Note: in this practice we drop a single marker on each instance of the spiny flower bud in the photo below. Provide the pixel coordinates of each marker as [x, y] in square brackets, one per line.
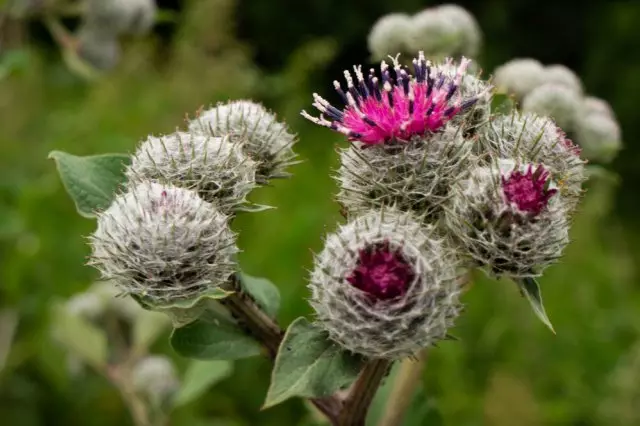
[415, 175]
[510, 219]
[263, 138]
[556, 101]
[102, 299]
[121, 16]
[529, 138]
[98, 48]
[447, 30]
[215, 167]
[599, 136]
[155, 378]
[163, 244]
[396, 109]
[389, 35]
[519, 76]
[384, 286]
[559, 74]
[593, 105]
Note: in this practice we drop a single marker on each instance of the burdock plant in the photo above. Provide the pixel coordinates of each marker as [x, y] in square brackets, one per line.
[440, 177]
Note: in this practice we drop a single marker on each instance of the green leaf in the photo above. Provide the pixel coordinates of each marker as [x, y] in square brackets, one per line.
[80, 337]
[91, 181]
[531, 290]
[263, 291]
[501, 104]
[147, 328]
[309, 365]
[199, 377]
[214, 337]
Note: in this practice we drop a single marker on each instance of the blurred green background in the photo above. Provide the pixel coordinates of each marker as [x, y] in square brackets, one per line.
[507, 369]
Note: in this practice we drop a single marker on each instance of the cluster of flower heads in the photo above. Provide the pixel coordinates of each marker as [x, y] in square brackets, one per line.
[167, 236]
[105, 21]
[557, 92]
[440, 31]
[432, 183]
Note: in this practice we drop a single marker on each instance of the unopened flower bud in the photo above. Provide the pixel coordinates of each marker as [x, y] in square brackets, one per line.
[447, 30]
[121, 16]
[563, 76]
[385, 286]
[529, 138]
[599, 136]
[593, 105]
[509, 220]
[98, 48]
[215, 167]
[155, 378]
[556, 101]
[389, 35]
[262, 137]
[519, 76]
[163, 244]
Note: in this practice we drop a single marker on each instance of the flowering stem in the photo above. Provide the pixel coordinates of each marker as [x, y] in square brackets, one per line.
[264, 329]
[361, 394]
[408, 378]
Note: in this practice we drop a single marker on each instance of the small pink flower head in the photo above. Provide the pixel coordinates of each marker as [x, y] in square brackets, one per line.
[382, 272]
[528, 191]
[395, 109]
[568, 143]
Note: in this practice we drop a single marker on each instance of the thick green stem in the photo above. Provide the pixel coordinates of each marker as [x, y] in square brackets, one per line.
[264, 329]
[356, 406]
[407, 380]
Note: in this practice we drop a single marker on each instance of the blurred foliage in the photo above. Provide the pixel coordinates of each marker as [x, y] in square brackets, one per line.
[507, 368]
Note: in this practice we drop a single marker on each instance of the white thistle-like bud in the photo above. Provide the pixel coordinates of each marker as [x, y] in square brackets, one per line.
[556, 101]
[98, 48]
[261, 135]
[101, 299]
[519, 76]
[155, 378]
[215, 167]
[593, 105]
[447, 30]
[385, 286]
[121, 16]
[389, 35]
[86, 305]
[163, 244]
[529, 138]
[599, 136]
[559, 74]
[509, 219]
[414, 175]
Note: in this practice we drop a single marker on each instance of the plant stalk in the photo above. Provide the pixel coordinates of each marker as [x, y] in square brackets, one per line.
[356, 406]
[268, 332]
[408, 378]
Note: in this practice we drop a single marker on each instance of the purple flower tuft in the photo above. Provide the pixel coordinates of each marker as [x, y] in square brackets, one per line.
[377, 112]
[382, 272]
[529, 191]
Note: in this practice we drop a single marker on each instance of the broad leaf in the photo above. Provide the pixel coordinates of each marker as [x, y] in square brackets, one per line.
[263, 291]
[501, 104]
[199, 377]
[213, 337]
[91, 181]
[80, 337]
[309, 365]
[531, 290]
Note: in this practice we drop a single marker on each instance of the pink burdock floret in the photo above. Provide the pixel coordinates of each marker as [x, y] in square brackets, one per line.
[568, 143]
[529, 191]
[395, 109]
[382, 272]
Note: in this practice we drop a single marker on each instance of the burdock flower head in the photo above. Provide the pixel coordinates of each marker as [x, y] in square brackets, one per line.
[163, 244]
[215, 167]
[383, 109]
[529, 138]
[384, 286]
[263, 138]
[510, 219]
